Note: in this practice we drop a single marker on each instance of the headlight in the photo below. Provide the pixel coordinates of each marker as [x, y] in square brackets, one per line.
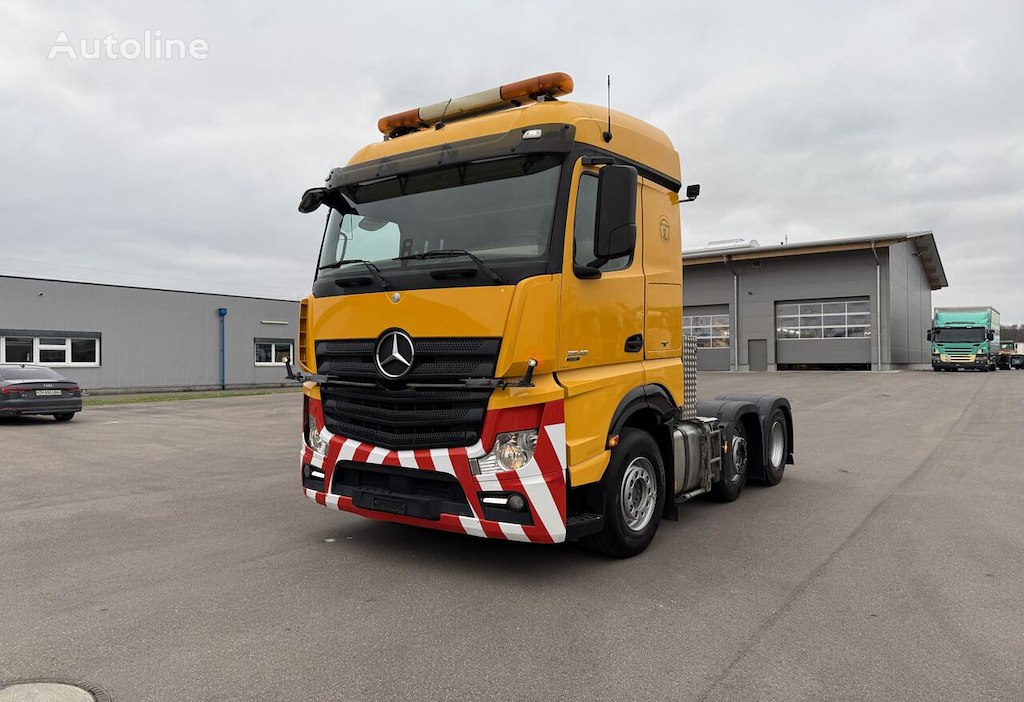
[313, 438]
[511, 451]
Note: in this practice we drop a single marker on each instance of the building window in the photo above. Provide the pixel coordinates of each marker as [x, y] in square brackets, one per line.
[70, 350]
[711, 330]
[272, 352]
[823, 319]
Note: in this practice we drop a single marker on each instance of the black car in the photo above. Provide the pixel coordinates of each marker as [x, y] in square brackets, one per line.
[26, 389]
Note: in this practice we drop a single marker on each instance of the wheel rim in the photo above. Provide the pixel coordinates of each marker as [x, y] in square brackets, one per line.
[639, 494]
[777, 443]
[739, 458]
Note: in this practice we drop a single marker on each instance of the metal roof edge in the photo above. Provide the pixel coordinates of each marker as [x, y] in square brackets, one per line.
[139, 287]
[924, 242]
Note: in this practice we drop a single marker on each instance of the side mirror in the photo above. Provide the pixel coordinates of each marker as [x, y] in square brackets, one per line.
[991, 335]
[928, 335]
[312, 199]
[616, 212]
[692, 191]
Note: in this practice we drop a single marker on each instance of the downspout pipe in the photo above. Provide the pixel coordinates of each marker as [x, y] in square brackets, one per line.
[878, 304]
[735, 314]
[222, 312]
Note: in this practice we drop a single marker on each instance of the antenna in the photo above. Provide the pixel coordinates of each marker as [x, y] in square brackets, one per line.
[440, 122]
[608, 135]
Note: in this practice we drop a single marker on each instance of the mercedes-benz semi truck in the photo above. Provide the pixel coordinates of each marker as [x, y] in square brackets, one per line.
[493, 344]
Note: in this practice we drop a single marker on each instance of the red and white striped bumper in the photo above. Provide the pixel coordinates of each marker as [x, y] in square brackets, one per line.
[542, 481]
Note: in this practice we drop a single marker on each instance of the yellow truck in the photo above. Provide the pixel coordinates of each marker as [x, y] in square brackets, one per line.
[493, 344]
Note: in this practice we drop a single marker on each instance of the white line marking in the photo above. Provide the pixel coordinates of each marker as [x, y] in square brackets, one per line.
[542, 500]
[442, 461]
[513, 532]
[472, 526]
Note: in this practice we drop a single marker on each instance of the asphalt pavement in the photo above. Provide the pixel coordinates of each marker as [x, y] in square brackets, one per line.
[165, 552]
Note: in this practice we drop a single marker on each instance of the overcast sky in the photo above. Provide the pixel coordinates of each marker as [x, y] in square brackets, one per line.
[807, 120]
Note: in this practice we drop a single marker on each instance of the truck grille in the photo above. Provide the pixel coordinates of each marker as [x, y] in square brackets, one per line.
[396, 416]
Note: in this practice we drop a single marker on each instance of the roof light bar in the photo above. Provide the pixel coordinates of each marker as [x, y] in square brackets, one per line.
[509, 95]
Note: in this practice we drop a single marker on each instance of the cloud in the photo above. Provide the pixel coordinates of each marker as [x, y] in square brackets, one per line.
[806, 120]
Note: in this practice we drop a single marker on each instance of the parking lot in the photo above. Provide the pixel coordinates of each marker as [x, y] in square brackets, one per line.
[165, 552]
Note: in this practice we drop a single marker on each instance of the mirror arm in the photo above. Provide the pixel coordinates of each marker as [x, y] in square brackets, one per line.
[586, 272]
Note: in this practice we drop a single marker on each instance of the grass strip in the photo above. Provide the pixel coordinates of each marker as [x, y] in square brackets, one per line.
[101, 400]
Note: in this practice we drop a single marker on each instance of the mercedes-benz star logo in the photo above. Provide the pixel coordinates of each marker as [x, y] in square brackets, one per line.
[394, 354]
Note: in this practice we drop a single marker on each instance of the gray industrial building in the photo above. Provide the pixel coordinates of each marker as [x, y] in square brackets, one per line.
[109, 337]
[861, 303]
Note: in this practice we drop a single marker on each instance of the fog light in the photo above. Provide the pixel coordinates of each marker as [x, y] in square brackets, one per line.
[516, 502]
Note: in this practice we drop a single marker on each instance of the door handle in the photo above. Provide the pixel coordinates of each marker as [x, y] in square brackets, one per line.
[634, 343]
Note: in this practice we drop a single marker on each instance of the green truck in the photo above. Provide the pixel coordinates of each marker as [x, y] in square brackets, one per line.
[965, 337]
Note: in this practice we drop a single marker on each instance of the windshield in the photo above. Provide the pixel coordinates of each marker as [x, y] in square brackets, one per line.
[497, 209]
[29, 373]
[950, 335]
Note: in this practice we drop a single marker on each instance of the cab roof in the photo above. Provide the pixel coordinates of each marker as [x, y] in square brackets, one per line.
[632, 138]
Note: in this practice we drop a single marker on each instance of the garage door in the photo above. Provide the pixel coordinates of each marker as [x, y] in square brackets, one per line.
[709, 325]
[823, 332]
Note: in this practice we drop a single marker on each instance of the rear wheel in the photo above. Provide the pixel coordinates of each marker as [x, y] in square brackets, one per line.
[777, 443]
[734, 467]
[634, 496]
[64, 416]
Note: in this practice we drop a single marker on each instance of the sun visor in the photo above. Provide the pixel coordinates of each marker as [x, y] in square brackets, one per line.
[539, 138]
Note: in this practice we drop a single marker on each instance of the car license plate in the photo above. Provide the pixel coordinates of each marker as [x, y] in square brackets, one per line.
[47, 393]
[386, 504]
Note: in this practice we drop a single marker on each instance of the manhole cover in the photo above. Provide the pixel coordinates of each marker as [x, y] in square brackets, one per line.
[50, 690]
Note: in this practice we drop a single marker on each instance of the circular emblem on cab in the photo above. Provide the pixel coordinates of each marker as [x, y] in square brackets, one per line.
[664, 229]
[394, 354]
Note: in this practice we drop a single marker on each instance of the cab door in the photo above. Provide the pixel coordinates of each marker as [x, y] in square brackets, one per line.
[602, 318]
[663, 328]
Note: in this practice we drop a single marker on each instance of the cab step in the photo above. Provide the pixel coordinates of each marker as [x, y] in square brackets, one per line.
[578, 525]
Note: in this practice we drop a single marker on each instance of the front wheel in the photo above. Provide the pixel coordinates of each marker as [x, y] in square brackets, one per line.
[634, 496]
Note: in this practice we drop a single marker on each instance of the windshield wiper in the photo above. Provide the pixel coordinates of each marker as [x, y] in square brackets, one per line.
[449, 253]
[369, 266]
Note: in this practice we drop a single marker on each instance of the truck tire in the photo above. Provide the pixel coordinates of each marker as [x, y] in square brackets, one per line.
[634, 496]
[734, 467]
[777, 445]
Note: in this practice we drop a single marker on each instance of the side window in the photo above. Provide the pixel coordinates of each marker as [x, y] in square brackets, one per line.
[66, 350]
[585, 227]
[272, 352]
